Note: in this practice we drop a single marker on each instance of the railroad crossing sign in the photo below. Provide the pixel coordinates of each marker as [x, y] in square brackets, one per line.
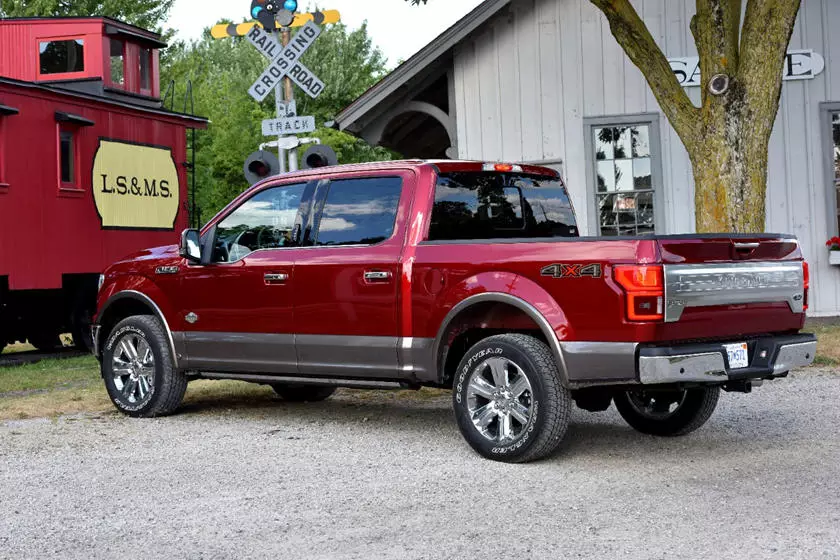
[284, 61]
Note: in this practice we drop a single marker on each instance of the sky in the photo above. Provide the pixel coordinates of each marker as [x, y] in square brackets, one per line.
[396, 27]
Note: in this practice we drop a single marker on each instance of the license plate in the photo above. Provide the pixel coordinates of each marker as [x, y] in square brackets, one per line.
[737, 353]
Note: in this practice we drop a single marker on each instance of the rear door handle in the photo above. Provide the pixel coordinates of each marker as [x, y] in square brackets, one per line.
[276, 278]
[746, 246]
[377, 276]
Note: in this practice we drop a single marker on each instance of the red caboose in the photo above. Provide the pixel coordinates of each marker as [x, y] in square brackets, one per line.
[92, 167]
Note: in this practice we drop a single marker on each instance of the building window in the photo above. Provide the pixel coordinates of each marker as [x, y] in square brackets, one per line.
[117, 62]
[145, 70]
[359, 211]
[63, 56]
[624, 165]
[67, 157]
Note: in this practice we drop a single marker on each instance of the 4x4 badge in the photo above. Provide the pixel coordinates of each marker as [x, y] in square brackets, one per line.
[191, 317]
[572, 270]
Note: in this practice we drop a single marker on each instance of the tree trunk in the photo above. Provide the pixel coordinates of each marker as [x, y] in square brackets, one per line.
[729, 159]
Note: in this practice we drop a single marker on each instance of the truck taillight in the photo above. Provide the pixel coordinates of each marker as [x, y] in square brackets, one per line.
[806, 278]
[645, 289]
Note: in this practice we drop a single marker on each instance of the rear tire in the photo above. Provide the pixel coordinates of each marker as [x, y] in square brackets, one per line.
[303, 393]
[509, 402]
[653, 412]
[139, 370]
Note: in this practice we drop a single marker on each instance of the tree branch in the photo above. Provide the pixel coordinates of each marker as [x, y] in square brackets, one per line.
[716, 28]
[635, 38]
[768, 26]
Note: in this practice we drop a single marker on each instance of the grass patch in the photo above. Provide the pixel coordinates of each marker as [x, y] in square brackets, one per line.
[49, 375]
[828, 342]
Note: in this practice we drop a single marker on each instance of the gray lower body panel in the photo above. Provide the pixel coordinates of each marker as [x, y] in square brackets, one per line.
[241, 352]
[605, 362]
[370, 357]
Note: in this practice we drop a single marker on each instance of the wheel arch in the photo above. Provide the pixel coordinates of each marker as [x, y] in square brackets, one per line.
[466, 305]
[124, 304]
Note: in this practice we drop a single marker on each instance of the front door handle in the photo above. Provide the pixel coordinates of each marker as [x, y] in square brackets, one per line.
[377, 276]
[276, 278]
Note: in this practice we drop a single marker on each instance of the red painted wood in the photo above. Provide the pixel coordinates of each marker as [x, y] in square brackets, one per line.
[46, 231]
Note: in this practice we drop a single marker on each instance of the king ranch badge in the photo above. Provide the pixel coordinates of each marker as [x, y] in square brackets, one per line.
[135, 186]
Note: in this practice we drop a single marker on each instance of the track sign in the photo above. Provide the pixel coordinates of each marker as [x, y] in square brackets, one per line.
[286, 62]
[281, 127]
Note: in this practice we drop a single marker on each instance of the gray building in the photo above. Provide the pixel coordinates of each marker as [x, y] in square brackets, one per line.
[544, 81]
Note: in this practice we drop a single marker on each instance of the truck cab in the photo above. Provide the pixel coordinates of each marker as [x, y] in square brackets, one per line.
[469, 276]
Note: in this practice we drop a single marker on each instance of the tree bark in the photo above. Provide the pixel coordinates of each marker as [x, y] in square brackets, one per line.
[728, 137]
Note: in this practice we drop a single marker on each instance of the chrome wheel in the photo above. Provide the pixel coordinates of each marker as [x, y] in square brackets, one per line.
[499, 400]
[133, 368]
[656, 405]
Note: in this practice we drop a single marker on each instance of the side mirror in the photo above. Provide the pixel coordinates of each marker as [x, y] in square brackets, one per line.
[191, 245]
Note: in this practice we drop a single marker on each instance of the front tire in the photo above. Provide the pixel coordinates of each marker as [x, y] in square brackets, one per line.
[139, 369]
[509, 402]
[667, 413]
[303, 393]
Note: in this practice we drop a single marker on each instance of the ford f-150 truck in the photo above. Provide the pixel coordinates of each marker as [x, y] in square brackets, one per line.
[462, 275]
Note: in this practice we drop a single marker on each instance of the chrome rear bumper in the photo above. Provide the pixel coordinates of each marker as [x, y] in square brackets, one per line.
[707, 363]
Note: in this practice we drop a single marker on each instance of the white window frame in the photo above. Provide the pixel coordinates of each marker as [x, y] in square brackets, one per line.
[826, 110]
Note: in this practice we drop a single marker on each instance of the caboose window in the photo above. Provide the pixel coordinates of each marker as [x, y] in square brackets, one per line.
[62, 57]
[117, 62]
[145, 69]
[67, 153]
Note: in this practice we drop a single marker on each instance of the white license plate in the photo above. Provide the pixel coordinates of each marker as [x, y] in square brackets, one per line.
[737, 353]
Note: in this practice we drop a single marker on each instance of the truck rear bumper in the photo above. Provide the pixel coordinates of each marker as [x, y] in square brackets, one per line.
[708, 363]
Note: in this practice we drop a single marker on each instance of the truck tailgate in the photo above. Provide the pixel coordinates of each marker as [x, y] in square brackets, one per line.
[754, 284]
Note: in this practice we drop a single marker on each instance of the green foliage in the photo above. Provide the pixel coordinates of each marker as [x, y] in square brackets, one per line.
[221, 72]
[148, 14]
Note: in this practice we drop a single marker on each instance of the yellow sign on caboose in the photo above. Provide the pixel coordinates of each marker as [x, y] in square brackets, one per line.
[135, 186]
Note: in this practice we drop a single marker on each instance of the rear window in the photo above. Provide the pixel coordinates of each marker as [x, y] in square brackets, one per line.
[500, 205]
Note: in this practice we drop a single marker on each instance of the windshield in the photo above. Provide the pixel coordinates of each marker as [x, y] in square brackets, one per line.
[500, 205]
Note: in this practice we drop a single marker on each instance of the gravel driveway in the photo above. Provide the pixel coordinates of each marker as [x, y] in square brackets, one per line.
[371, 476]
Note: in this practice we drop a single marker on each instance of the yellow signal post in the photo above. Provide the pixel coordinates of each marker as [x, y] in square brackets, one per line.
[225, 30]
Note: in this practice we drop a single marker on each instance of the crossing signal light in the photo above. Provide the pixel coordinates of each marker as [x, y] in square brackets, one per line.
[261, 165]
[264, 12]
[319, 156]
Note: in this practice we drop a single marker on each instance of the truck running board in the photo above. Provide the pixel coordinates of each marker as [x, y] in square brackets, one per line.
[275, 379]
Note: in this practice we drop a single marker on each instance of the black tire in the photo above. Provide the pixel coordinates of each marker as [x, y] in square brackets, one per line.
[168, 386]
[303, 393]
[694, 407]
[547, 402]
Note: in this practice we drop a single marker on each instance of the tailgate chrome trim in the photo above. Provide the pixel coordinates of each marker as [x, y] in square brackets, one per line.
[703, 285]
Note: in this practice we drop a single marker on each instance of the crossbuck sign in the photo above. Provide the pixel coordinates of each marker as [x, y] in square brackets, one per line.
[284, 61]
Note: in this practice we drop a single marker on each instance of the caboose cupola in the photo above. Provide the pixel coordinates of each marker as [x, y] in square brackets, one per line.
[95, 55]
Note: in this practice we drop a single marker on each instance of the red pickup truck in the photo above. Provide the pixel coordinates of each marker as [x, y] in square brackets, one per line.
[462, 275]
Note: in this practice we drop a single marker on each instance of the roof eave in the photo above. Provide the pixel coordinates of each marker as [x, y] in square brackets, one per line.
[409, 69]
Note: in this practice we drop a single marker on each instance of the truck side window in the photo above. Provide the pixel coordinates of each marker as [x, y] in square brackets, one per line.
[264, 221]
[359, 211]
[475, 206]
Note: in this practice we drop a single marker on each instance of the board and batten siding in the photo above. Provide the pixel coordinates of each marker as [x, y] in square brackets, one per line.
[525, 83]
